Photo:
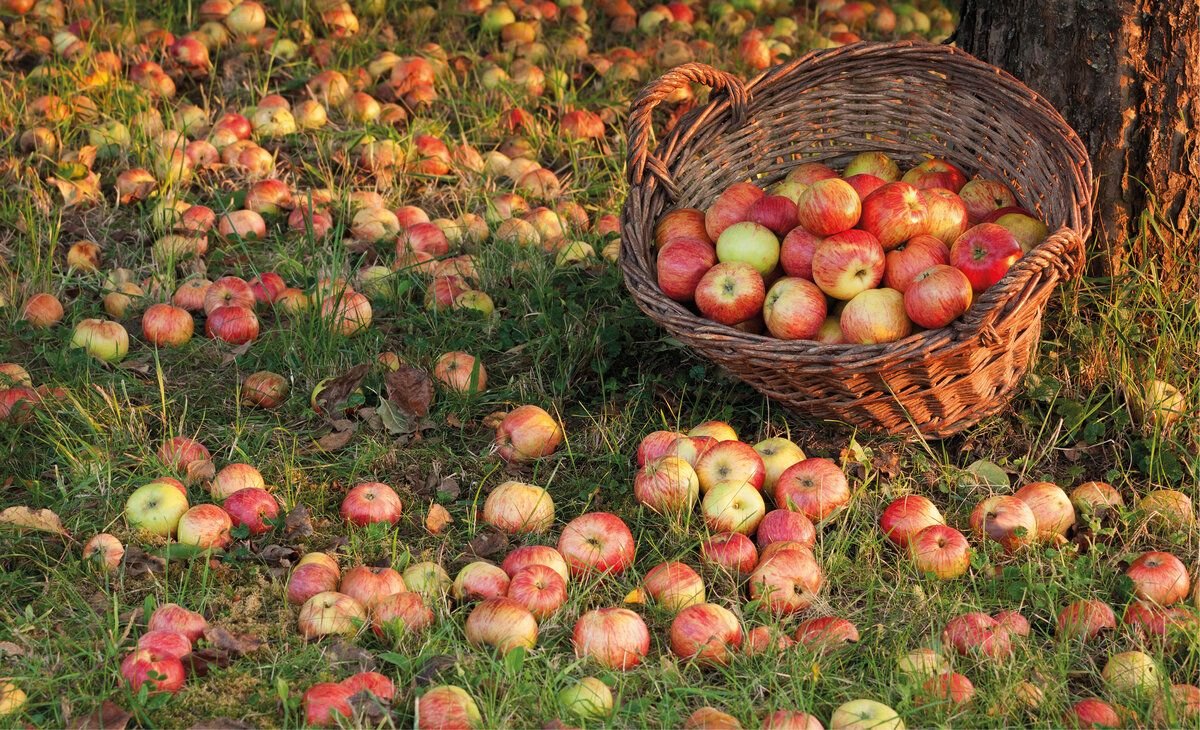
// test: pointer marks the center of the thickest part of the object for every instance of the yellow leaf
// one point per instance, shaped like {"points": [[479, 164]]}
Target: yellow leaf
{"points": [[437, 519], [28, 519], [637, 595]]}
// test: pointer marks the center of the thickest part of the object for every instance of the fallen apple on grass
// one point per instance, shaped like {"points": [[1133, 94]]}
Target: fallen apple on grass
{"points": [[519, 508], [615, 638], [400, 614]]}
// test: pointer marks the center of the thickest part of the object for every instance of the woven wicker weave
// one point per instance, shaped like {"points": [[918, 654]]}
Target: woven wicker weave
{"points": [[911, 100]]}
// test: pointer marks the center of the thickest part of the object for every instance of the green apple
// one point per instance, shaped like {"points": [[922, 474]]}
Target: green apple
{"points": [[156, 508], [587, 699], [1131, 671], [102, 339], [865, 715], [749, 243]]}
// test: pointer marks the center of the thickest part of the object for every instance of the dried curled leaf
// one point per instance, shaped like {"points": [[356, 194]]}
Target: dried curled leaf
{"points": [[437, 519], [236, 644], [138, 562], [109, 716], [337, 439], [25, 518], [410, 390], [488, 543], [297, 523], [336, 391]]}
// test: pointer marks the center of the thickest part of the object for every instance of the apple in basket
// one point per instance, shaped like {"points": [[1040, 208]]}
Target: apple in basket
{"points": [[985, 253], [730, 293]]}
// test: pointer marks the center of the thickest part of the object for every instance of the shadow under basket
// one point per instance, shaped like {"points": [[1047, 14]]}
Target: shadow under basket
{"points": [[912, 101]]}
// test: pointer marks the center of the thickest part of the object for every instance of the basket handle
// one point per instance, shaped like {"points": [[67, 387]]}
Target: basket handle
{"points": [[640, 160]]}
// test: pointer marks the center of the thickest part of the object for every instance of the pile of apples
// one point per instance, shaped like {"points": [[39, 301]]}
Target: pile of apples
{"points": [[867, 257], [158, 659]]}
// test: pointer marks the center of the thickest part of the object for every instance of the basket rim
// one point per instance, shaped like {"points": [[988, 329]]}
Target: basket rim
{"points": [[1046, 254]]}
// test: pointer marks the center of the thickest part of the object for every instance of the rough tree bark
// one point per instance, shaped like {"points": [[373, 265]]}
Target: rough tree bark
{"points": [[1126, 75]]}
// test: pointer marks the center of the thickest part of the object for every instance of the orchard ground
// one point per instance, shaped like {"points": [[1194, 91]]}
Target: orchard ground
{"points": [[569, 339]]}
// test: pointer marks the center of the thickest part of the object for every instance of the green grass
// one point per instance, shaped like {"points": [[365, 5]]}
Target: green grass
{"points": [[571, 341]]}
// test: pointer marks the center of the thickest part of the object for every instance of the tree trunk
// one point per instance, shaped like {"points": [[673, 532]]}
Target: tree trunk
{"points": [[1126, 75]]}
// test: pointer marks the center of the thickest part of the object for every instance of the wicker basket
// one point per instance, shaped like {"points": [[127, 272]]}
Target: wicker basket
{"points": [[910, 100]]}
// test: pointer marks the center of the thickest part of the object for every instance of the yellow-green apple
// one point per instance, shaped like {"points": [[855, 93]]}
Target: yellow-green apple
{"points": [[810, 172], [825, 633], [1085, 619], [706, 633], [936, 173], [400, 614], [1028, 230], [246, 18], [982, 197], [374, 225], [235, 477], [776, 212], [330, 613], [718, 430], [668, 486], [946, 688], [733, 506], [680, 266], [234, 324], [794, 309], [530, 555], [480, 580], [42, 310], [268, 197], [1093, 498], [985, 253], [165, 643], [519, 508], [875, 316], [978, 633], [730, 292], [205, 526], [787, 581], [1157, 403], [1014, 621], [102, 339], [264, 389], [710, 718], [1159, 577], [730, 461], [173, 617], [1167, 509], [125, 297], [527, 433], [946, 215], [940, 551], [893, 214], [588, 699], [446, 707], [228, 291], [680, 223], [252, 507], [106, 550], [815, 487], [1007, 520], [655, 445], [1131, 672], [597, 542], [1052, 509], [785, 525], [368, 585], [937, 296], [164, 325], [309, 579], [777, 455], [1092, 712], [831, 332], [848, 263], [731, 551], [920, 664], [325, 702], [155, 508], [371, 502], [796, 252], [161, 673], [865, 715], [874, 163], [615, 638], [730, 207], [903, 518], [12, 374], [674, 586], [828, 206], [749, 243], [539, 588]]}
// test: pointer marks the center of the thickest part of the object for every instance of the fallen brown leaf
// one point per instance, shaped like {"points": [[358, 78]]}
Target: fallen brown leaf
{"points": [[109, 716], [488, 543], [297, 523], [437, 519], [343, 652], [337, 390], [138, 562], [335, 439], [236, 644], [410, 390], [25, 518]]}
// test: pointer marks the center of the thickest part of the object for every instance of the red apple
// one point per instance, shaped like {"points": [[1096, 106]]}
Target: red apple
{"points": [[784, 525], [166, 326], [325, 702], [371, 502], [776, 212], [597, 541], [787, 581], [985, 253], [730, 293], [680, 223], [794, 309], [42, 310], [447, 708], [875, 316], [165, 643], [205, 526], [1007, 520], [825, 633], [707, 633], [163, 673], [530, 555], [937, 296], [674, 586], [1085, 619], [791, 719], [946, 215], [233, 324], [668, 486], [1014, 621], [309, 579], [1092, 713], [228, 291], [815, 487], [764, 640], [372, 683], [730, 461], [692, 448], [681, 264], [1159, 577], [1178, 707], [731, 551], [828, 206], [796, 252], [810, 172], [191, 294], [982, 197], [1051, 507], [731, 206], [865, 184], [369, 585], [267, 287], [655, 445], [252, 507], [893, 214], [848, 263], [264, 389], [517, 508], [903, 518], [399, 614], [527, 433], [615, 638], [173, 617], [940, 551], [540, 589], [949, 687], [978, 632], [936, 173]]}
